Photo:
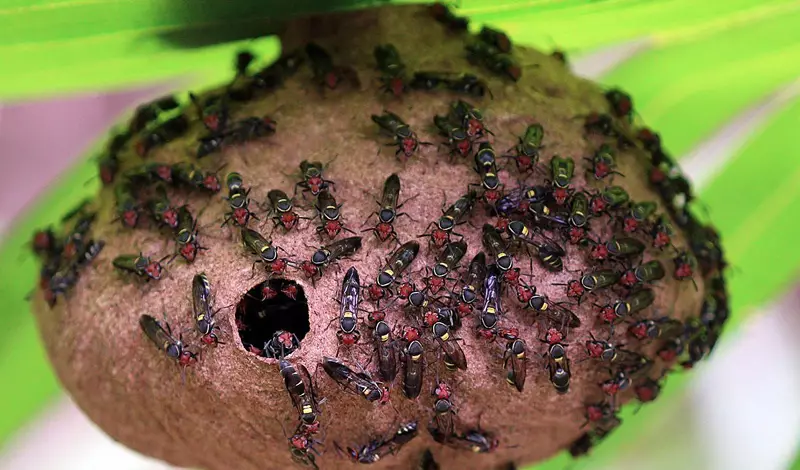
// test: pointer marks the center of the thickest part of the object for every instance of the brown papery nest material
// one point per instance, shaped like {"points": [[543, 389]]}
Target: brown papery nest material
{"points": [[233, 411]]}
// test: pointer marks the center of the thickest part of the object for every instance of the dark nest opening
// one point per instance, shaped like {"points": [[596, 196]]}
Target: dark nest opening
{"points": [[272, 317]]}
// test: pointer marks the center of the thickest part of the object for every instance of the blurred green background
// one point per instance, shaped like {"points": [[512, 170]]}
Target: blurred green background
{"points": [[698, 66]]}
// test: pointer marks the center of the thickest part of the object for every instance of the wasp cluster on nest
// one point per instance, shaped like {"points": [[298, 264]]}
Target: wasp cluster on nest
{"points": [[427, 246]]}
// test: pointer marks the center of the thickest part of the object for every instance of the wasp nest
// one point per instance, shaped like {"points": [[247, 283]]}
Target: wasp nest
{"points": [[401, 244]]}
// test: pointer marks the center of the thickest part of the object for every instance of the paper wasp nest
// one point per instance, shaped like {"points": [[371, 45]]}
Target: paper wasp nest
{"points": [[595, 279]]}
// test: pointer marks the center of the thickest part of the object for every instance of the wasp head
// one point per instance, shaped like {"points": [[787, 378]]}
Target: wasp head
{"points": [[288, 220], [153, 270], [130, 218]]}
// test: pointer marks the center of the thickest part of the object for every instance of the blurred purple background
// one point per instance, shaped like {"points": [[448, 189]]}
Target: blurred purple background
{"points": [[40, 139]]}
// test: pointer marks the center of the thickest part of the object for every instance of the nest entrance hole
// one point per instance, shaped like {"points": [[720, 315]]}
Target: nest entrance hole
{"points": [[269, 307]]}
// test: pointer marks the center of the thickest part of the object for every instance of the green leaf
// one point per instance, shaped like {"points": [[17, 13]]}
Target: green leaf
{"points": [[752, 202], [23, 364], [590, 24], [688, 90]]}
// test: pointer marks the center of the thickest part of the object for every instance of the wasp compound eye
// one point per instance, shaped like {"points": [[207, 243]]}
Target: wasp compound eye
{"points": [[260, 317]]}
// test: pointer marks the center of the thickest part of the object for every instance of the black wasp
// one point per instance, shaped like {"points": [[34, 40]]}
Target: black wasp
{"points": [[203, 312], [388, 209], [359, 383], [301, 390], [348, 314], [161, 336], [328, 254]]}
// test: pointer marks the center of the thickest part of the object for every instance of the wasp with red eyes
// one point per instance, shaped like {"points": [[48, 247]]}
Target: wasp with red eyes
{"points": [[139, 265], [453, 216], [325, 72], [486, 167], [469, 118], [161, 335], [591, 282], [457, 138], [247, 129], [282, 206], [161, 134], [603, 162], [282, 344], [204, 315], [596, 123], [128, 208], [301, 446], [269, 78], [150, 112], [611, 197], [492, 309], [404, 138], [214, 113], [578, 218], [238, 200], [45, 243], [348, 313], [561, 172], [645, 273], [661, 233], [329, 214], [660, 328], [327, 254], [388, 210], [392, 68], [490, 57], [194, 177], [527, 150], [476, 273], [446, 262], [313, 179], [618, 248], [400, 260], [632, 304], [161, 210], [358, 383], [495, 38], [621, 103], [443, 15], [301, 390], [186, 235], [640, 213], [258, 245]]}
